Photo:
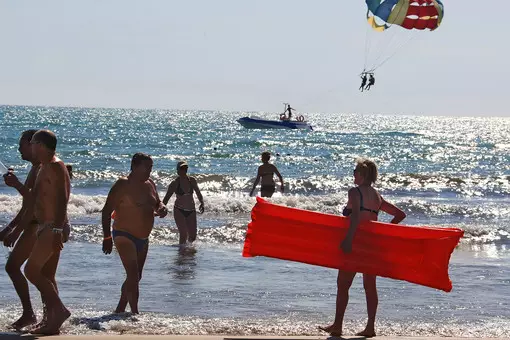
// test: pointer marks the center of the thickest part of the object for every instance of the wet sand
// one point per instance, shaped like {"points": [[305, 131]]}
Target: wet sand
{"points": [[218, 337]]}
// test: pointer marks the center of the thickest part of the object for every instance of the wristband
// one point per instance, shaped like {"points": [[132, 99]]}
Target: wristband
{"points": [[107, 238], [57, 230]]}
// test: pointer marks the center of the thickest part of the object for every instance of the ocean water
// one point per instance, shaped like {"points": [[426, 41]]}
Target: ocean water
{"points": [[443, 171]]}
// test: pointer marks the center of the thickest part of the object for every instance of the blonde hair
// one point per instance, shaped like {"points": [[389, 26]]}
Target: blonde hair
{"points": [[367, 169]]}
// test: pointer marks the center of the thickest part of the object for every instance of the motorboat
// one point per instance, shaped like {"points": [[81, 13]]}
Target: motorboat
{"points": [[255, 122]]}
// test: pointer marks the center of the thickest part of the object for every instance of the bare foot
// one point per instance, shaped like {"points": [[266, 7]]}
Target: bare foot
{"points": [[367, 333], [333, 330], [44, 319], [55, 321], [44, 330], [24, 321]]}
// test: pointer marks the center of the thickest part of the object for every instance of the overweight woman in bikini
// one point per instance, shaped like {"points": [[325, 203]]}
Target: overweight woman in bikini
{"points": [[135, 201], [364, 204], [185, 213]]}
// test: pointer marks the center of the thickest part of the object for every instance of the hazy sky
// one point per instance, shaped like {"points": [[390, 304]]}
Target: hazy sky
{"points": [[249, 55]]}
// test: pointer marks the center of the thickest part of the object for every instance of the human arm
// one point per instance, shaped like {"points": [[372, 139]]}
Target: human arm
{"points": [[354, 219], [398, 214], [26, 217], [194, 185], [160, 208], [257, 180], [13, 226], [169, 192], [11, 180], [282, 187], [56, 173], [106, 215]]}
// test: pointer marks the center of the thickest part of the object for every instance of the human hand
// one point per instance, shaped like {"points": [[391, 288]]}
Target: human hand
{"points": [[58, 244], [162, 211], [346, 245], [11, 238], [11, 180], [5, 231], [201, 208], [107, 245]]}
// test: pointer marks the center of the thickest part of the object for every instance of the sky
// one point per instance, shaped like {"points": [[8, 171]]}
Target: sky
{"points": [[250, 56]]}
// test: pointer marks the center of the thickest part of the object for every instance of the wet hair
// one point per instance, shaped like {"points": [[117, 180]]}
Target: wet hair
{"points": [[367, 169], [46, 138], [138, 158], [266, 155], [27, 135]]}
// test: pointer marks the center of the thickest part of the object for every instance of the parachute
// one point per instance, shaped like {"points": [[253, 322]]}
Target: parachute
{"points": [[410, 16]]}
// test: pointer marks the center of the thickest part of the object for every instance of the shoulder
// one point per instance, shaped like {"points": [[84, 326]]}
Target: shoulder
{"points": [[193, 180], [58, 167], [173, 183], [151, 183], [33, 171], [121, 182], [354, 191]]}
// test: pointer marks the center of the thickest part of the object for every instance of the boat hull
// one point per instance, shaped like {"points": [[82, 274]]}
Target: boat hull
{"points": [[260, 123]]}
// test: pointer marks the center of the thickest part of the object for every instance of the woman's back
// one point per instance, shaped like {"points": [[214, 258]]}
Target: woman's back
{"points": [[368, 201]]}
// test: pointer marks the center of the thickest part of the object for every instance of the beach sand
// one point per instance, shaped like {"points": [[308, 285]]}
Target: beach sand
{"points": [[217, 337]]}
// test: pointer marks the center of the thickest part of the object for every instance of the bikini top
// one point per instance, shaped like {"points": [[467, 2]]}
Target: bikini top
{"points": [[348, 211], [181, 192], [269, 173]]}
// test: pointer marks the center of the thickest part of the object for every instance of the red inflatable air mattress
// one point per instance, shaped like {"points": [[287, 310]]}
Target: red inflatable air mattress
{"points": [[415, 254]]}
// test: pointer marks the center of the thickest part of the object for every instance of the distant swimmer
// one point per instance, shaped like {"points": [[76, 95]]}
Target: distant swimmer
{"points": [[135, 201], [185, 213], [21, 233], [50, 198], [371, 82], [363, 81], [266, 173], [364, 204]]}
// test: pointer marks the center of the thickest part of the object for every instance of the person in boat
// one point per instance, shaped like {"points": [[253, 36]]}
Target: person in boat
{"points": [[266, 173], [185, 213], [363, 81], [288, 110], [371, 82], [364, 204]]}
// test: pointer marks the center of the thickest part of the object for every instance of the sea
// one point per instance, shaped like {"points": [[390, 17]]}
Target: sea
{"points": [[442, 171]]}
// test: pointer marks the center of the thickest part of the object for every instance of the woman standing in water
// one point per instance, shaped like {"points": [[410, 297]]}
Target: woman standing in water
{"points": [[266, 172], [185, 214], [364, 204]]}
